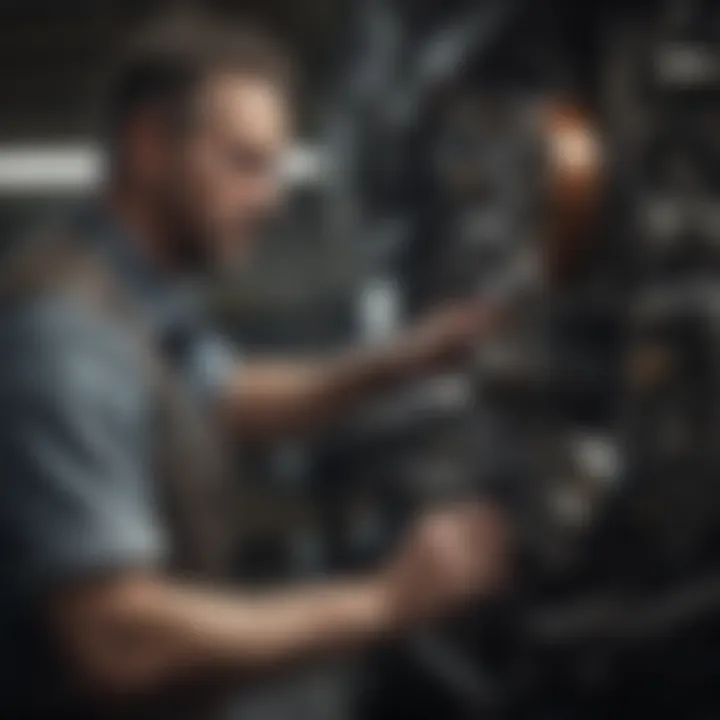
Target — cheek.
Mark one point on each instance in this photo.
(225, 191)
(206, 190)
(261, 194)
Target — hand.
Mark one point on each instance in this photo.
(444, 337)
(448, 559)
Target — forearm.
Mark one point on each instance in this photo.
(249, 634)
(273, 398)
(160, 635)
(268, 399)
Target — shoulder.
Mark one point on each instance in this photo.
(57, 346)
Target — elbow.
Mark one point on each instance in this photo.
(117, 672)
(112, 674)
(104, 633)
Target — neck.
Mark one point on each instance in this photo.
(135, 212)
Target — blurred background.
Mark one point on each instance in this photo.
(561, 157)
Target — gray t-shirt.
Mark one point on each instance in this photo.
(76, 496)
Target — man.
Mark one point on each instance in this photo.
(92, 605)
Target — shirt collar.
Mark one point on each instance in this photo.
(167, 301)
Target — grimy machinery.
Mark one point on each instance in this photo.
(563, 163)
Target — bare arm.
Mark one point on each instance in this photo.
(141, 634)
(135, 635)
(269, 398)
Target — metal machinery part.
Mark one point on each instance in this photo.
(649, 598)
(609, 475)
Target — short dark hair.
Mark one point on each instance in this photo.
(170, 59)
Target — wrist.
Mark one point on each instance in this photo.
(394, 360)
(377, 604)
(374, 367)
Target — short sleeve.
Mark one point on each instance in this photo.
(76, 495)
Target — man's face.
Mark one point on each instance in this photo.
(224, 176)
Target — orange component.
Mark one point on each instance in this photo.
(575, 180)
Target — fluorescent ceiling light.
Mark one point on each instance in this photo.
(29, 169)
